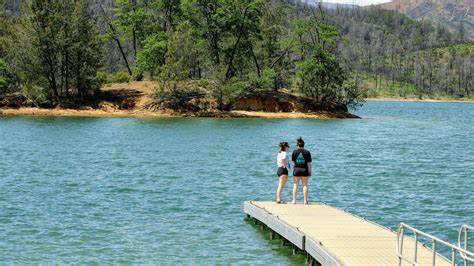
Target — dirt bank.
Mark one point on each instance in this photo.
(59, 112)
(134, 99)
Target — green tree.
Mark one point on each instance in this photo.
(273, 45)
(184, 54)
(132, 21)
(126, 22)
(169, 13)
(241, 20)
(152, 57)
(64, 47)
(230, 29)
(86, 49)
(6, 77)
(320, 76)
(319, 72)
(47, 20)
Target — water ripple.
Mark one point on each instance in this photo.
(129, 191)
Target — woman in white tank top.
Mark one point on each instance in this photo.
(283, 164)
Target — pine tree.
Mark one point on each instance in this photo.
(47, 20)
(86, 50)
(65, 45)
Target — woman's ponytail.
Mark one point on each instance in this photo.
(300, 142)
(283, 145)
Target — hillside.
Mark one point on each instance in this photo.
(282, 45)
(445, 12)
(394, 55)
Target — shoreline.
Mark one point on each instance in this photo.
(428, 100)
(99, 113)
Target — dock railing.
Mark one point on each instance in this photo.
(464, 234)
(465, 254)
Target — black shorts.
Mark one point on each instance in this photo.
(300, 171)
(282, 171)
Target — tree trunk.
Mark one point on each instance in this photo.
(446, 82)
(117, 41)
(255, 60)
(134, 33)
(230, 64)
(123, 56)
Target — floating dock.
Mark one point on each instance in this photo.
(330, 236)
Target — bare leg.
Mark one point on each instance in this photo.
(304, 180)
(281, 185)
(296, 181)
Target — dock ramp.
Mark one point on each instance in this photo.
(330, 236)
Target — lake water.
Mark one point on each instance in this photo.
(145, 191)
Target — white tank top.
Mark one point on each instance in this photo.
(281, 156)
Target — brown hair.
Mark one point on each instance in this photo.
(300, 142)
(283, 145)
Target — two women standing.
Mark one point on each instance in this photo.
(302, 160)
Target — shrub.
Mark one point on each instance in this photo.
(180, 98)
(103, 78)
(40, 96)
(265, 81)
(119, 77)
(6, 77)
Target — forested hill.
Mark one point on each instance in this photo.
(57, 49)
(457, 15)
(395, 55)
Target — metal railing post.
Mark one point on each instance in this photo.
(416, 247)
(434, 252)
(466, 255)
(453, 257)
(400, 244)
(465, 246)
(465, 239)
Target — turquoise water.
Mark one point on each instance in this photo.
(144, 191)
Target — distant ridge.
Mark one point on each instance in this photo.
(446, 12)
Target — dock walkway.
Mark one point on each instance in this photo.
(334, 237)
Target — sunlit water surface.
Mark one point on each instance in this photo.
(87, 190)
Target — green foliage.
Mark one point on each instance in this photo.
(184, 54)
(182, 97)
(351, 94)
(6, 77)
(251, 44)
(170, 11)
(266, 81)
(320, 75)
(61, 47)
(402, 56)
(85, 48)
(118, 77)
(152, 56)
(37, 94)
(228, 91)
(132, 21)
(101, 78)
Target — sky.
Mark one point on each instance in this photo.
(357, 2)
